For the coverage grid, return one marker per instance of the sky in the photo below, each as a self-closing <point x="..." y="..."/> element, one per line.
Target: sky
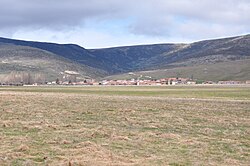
<point x="110" y="23"/>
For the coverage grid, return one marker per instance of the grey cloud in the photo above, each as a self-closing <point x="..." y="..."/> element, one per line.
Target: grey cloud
<point x="151" y="17"/>
<point x="210" y="16"/>
<point x="153" y="26"/>
<point x="53" y="12"/>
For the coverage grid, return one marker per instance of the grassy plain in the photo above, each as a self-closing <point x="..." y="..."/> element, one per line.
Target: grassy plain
<point x="163" y="125"/>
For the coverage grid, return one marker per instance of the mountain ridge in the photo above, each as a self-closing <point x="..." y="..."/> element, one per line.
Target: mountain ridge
<point x="103" y="62"/>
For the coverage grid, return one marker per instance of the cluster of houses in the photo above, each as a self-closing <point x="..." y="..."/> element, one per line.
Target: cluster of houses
<point x="164" y="81"/>
<point x="70" y="82"/>
<point x="154" y="82"/>
<point x="72" y="78"/>
<point x="227" y="82"/>
<point x="145" y="82"/>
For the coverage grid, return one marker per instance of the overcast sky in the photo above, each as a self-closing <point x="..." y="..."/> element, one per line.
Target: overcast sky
<point x="106" y="23"/>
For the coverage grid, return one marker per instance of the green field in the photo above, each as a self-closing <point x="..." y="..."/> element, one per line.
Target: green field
<point x="118" y="125"/>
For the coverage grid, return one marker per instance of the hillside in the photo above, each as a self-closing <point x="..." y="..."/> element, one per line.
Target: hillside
<point x="218" y="59"/>
<point x="231" y="70"/>
<point x="174" y="55"/>
<point x="24" y="59"/>
<point x="130" y="58"/>
<point x="71" y="52"/>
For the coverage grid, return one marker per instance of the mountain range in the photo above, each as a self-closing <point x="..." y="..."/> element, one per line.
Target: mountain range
<point x="217" y="59"/>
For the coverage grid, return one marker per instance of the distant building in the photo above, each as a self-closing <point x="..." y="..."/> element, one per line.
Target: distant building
<point x="70" y="76"/>
<point x="230" y="82"/>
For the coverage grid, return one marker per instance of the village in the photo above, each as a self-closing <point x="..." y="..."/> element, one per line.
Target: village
<point x="72" y="78"/>
<point x="145" y="82"/>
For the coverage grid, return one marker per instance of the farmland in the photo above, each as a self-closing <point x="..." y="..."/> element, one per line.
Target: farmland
<point x="118" y="125"/>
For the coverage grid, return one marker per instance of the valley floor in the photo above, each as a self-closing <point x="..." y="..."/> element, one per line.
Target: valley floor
<point x="163" y="125"/>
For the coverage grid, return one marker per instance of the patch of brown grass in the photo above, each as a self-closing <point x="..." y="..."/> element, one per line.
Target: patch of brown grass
<point x="89" y="129"/>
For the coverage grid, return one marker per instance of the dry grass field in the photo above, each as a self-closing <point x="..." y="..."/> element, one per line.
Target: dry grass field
<point x="178" y="125"/>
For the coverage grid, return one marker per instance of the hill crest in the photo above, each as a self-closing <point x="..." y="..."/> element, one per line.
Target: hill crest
<point x="97" y="63"/>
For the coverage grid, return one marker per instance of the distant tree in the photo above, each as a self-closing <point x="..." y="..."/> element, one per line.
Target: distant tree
<point x="57" y="81"/>
<point x="29" y="79"/>
<point x="39" y="78"/>
<point x="192" y="77"/>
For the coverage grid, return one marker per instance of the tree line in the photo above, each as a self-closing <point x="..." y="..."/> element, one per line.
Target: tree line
<point x="21" y="77"/>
